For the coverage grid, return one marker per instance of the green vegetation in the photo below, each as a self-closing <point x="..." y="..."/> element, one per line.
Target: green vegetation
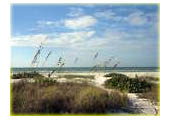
<point x="124" y="83"/>
<point x="25" y="75"/>
<point x="149" y="79"/>
<point x="145" y="87"/>
<point x="77" y="76"/>
<point x="57" y="98"/>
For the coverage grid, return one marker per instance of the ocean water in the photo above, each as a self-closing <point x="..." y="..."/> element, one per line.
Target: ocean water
<point x="86" y="69"/>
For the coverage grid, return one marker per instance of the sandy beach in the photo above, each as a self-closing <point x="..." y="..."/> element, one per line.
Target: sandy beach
<point x="129" y="74"/>
<point x="98" y="76"/>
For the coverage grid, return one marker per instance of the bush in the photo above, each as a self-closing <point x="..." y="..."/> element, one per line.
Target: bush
<point x="124" y="83"/>
<point x="26" y="75"/>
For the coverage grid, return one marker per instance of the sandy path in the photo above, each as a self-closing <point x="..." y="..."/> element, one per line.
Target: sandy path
<point x="136" y="105"/>
<point x="141" y="106"/>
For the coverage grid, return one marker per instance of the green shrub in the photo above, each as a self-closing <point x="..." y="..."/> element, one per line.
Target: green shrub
<point x="26" y="75"/>
<point x="124" y="83"/>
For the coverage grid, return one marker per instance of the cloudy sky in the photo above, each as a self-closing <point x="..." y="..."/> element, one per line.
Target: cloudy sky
<point x="129" y="33"/>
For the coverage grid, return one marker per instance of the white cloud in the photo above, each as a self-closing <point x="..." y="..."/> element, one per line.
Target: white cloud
<point x="29" y="40"/>
<point x="69" y="39"/>
<point x="43" y="25"/>
<point x="49" y="23"/>
<point x="108" y="14"/>
<point x="87" y="39"/>
<point x="90" y="40"/>
<point x="80" y="22"/>
<point x="72" y="23"/>
<point x="137" y="18"/>
<point x="120" y="40"/>
<point x="75" y="12"/>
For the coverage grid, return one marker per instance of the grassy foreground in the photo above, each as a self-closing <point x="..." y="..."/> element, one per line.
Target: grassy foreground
<point x="49" y="97"/>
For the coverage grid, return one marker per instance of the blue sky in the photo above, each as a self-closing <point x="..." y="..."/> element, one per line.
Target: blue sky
<point x="129" y="33"/>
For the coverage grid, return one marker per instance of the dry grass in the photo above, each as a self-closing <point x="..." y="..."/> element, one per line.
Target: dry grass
<point x="152" y="95"/>
<point x="53" y="97"/>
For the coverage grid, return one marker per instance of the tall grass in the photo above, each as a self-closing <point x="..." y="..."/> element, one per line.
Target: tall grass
<point x="54" y="97"/>
<point x="152" y="95"/>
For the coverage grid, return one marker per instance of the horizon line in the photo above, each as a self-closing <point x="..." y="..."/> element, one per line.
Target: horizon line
<point x="89" y="67"/>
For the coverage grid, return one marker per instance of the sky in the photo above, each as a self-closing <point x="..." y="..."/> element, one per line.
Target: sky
<point x="127" y="33"/>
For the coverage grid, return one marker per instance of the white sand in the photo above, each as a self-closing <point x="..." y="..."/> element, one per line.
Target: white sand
<point x="142" y="106"/>
<point x="148" y="74"/>
<point x="99" y="76"/>
<point x="129" y="74"/>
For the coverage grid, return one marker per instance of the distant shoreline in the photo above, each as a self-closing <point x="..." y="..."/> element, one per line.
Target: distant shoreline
<point x="129" y="74"/>
<point x="86" y="69"/>
<point x="78" y="67"/>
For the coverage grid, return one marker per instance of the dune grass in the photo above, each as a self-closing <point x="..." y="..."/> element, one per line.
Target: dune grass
<point x="49" y="97"/>
<point x="76" y="76"/>
<point x="152" y="94"/>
